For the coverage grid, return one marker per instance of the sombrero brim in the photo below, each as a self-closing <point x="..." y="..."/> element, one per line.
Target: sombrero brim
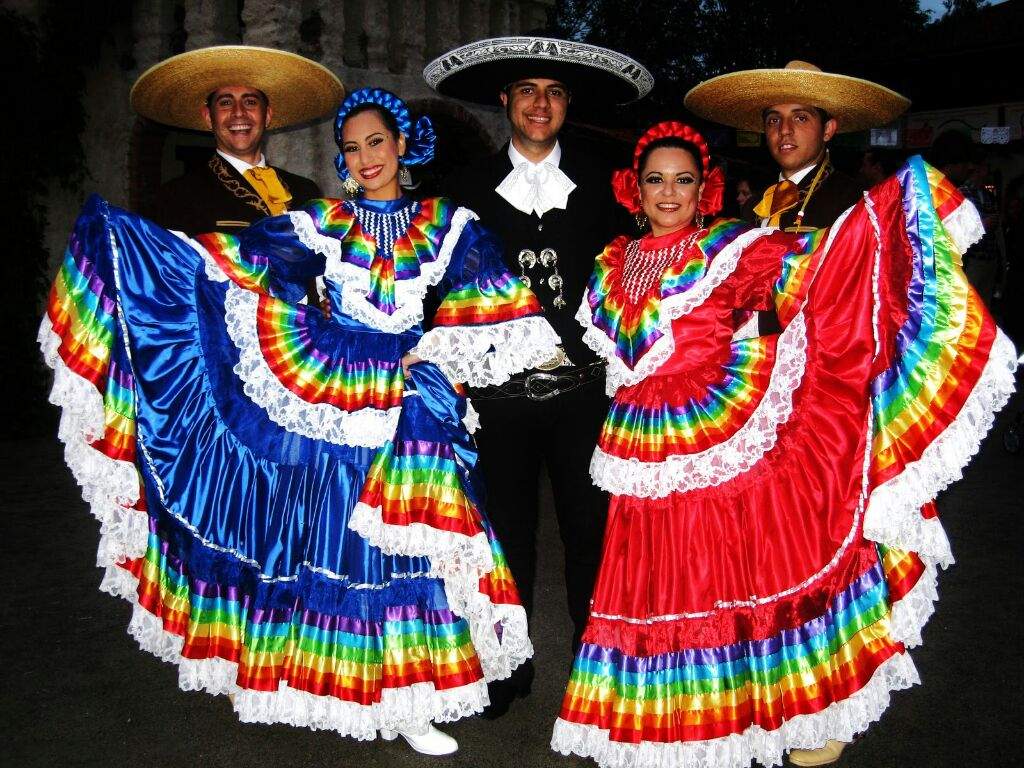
<point x="478" y="71"/>
<point x="739" y="99"/>
<point x="174" y="91"/>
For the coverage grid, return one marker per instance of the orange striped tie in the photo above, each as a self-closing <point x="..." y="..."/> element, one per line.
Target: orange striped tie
<point x="777" y="200"/>
<point x="785" y="196"/>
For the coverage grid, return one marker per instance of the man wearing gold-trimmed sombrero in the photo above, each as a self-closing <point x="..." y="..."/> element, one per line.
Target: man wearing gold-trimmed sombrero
<point x="237" y="92"/>
<point x="799" y="108"/>
<point x="552" y="206"/>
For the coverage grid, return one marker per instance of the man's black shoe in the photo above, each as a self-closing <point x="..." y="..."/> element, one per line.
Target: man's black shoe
<point x="503" y="692"/>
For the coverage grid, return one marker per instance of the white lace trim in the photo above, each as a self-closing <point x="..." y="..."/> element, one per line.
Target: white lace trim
<point x="408" y="708"/>
<point x="455" y="550"/>
<point x="460" y="562"/>
<point x="964" y="226"/>
<point x="354" y="281"/>
<point x="894" y="510"/>
<point x="109" y="486"/>
<point x="211" y="268"/>
<point x="726" y="460"/>
<point x="498" y="656"/>
<point x="471" y="421"/>
<point x="487" y="355"/>
<point x="912" y="611"/>
<point x="672" y="308"/>
<point x="840" y="720"/>
<point x="411" y="708"/>
<point x="368" y="427"/>
<point x="120" y="583"/>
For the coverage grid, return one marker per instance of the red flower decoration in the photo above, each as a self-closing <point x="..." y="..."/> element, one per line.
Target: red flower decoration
<point x="626" y="189"/>
<point x="710" y="201"/>
<point x="625" y="183"/>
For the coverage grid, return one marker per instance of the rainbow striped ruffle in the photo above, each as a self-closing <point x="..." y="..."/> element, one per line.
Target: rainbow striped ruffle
<point x="488" y="328"/>
<point x="414" y="501"/>
<point x="291" y="352"/>
<point x="381" y="658"/>
<point x="827" y="678"/>
<point x="248" y="270"/>
<point x="306" y="375"/>
<point x="647" y="421"/>
<point x="799" y="266"/>
<point x="951" y="370"/>
<point x="500" y="298"/>
<point x="83" y="343"/>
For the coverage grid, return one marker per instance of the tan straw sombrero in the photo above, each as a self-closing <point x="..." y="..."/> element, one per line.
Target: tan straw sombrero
<point x="739" y="99"/>
<point x="174" y="91"/>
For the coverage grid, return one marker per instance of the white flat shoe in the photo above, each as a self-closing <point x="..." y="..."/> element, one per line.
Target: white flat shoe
<point x="429" y="742"/>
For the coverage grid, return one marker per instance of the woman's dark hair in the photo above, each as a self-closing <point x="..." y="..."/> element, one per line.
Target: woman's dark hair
<point x="385" y="115"/>
<point x="673" y="142"/>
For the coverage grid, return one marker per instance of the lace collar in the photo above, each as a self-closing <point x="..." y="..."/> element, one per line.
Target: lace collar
<point x="634" y="333"/>
<point x="393" y="240"/>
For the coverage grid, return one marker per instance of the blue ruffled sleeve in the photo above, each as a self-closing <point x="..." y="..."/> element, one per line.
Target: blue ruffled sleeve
<point x="489" y="325"/>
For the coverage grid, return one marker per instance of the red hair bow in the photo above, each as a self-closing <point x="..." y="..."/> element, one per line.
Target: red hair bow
<point x="627" y="189"/>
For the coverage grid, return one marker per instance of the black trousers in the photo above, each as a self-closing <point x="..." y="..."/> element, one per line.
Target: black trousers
<point x="517" y="437"/>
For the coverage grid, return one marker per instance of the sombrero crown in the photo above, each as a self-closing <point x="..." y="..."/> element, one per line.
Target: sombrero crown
<point x="477" y="71"/>
<point x="173" y="91"/>
<point x="738" y="99"/>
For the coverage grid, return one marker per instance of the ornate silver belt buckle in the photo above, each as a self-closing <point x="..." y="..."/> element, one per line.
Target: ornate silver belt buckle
<point x="540" y="394"/>
<point x="557" y="361"/>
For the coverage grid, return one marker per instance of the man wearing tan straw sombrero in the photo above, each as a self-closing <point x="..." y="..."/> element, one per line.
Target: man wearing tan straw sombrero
<point x="799" y="108"/>
<point x="237" y="92"/>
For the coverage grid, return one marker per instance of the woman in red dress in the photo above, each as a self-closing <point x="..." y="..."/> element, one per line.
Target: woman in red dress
<point x="771" y="548"/>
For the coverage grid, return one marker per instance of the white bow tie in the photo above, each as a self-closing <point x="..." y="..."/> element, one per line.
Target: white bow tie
<point x="536" y="188"/>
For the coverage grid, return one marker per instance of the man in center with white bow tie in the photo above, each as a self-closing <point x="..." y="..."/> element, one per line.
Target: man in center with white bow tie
<point x="552" y="207"/>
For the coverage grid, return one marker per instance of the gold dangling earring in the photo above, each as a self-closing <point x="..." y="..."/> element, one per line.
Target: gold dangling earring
<point x="404" y="176"/>
<point x="700" y="220"/>
<point x="641" y="220"/>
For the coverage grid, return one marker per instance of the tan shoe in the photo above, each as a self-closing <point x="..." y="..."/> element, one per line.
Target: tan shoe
<point x="826" y="755"/>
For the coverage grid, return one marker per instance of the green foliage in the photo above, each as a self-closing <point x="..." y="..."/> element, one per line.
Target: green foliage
<point x="685" y="41"/>
<point x="959" y="8"/>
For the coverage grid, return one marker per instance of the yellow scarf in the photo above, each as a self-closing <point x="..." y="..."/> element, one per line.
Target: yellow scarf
<point x="269" y="188"/>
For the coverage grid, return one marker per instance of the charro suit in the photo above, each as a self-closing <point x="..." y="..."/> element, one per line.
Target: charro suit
<point x="835" y="193"/>
<point x="520" y="434"/>
<point x="217" y="198"/>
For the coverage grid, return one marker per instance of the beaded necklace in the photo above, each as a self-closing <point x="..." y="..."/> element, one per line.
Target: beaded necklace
<point x="642" y="267"/>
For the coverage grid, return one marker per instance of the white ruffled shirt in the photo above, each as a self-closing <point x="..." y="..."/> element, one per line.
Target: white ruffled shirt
<point x="536" y="187"/>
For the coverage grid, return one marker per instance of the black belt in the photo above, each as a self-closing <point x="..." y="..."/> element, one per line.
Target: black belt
<point x="543" y="385"/>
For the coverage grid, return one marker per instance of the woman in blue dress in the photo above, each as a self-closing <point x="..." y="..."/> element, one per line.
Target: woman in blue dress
<point x="286" y="494"/>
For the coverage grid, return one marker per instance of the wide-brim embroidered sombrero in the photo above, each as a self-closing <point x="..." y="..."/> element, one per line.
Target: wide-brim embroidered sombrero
<point x="174" y="91"/>
<point x="478" y="71"/>
<point x="739" y="99"/>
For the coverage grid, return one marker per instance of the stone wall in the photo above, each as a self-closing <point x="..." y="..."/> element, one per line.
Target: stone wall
<point x="383" y="43"/>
